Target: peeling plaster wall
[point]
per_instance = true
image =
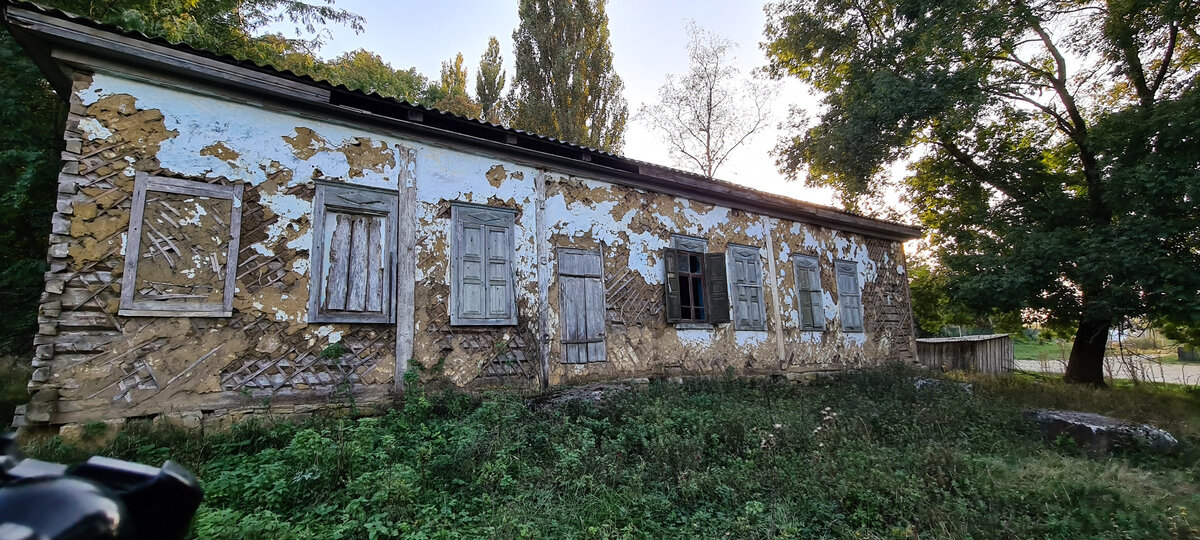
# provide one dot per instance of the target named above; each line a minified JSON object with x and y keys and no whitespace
{"x":93,"y":363}
{"x":887,"y":315}
{"x":632,"y":227}
{"x":481,"y":355}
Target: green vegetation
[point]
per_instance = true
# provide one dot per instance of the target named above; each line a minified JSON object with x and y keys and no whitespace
{"x":1038,"y":194}
{"x":14,"y":375}
{"x":860,"y":455}
{"x":1034,"y":349}
{"x":564,"y":85}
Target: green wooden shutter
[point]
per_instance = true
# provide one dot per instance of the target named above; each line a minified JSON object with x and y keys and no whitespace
{"x":808,"y":292}
{"x":746,"y":280}
{"x":716,"y":285}
{"x":671,"y":262}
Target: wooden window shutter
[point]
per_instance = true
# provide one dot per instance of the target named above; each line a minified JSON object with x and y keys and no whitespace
{"x":354,"y":246}
{"x":482,"y":289}
{"x":808,"y":292}
{"x":849,"y":295}
{"x":671,"y":262}
{"x":748,"y":309}
{"x":754,"y":294}
{"x":716,"y":286}
{"x":581,"y":291}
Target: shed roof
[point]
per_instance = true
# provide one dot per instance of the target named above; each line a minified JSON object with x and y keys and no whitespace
{"x":60,"y":42}
{"x":961,"y":339}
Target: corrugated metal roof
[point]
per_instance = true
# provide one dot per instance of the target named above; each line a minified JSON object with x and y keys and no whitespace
{"x":981,"y":337}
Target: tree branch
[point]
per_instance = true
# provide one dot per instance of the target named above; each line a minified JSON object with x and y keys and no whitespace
{"x":978,"y":171}
{"x":1172,"y":36}
{"x":1063,"y":124}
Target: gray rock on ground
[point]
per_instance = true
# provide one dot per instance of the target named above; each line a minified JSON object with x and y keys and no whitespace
{"x":926,"y":383}
{"x":1098,"y":433}
{"x":595,"y":394}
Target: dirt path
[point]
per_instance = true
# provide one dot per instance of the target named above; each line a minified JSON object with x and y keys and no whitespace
{"x":1145,"y":370}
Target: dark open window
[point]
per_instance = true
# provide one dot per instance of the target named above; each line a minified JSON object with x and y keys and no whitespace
{"x":697,"y":290}
{"x":691,"y":286}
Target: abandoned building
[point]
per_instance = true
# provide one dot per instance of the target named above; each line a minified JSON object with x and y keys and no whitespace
{"x":227,"y":233}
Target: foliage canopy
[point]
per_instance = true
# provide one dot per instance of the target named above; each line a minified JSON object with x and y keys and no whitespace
{"x":489,"y":81}
{"x":1056,"y":165}
{"x":564,"y":85}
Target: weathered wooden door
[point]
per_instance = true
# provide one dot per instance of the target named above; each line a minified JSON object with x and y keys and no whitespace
{"x":581,"y":290}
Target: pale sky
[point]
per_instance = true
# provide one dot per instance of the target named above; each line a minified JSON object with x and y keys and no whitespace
{"x":648,"y":42}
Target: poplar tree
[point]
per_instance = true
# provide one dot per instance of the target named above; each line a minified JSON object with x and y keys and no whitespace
{"x":489,"y":81}
{"x":564,"y":85}
{"x":452,"y":90}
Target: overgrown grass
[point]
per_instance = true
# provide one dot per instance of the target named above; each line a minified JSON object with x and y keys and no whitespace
{"x":862,"y":455}
{"x":1033,"y":349}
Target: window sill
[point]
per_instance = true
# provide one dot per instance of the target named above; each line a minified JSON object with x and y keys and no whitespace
{"x":469,"y":324}
{"x":694,"y":326}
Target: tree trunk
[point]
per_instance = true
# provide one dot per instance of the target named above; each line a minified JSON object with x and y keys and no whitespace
{"x":1086,"y":363}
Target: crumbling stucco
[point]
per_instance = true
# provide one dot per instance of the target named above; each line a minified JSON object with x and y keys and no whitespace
{"x":92,"y":363}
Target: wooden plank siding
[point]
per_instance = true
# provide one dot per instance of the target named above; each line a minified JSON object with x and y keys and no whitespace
{"x":983,"y":354}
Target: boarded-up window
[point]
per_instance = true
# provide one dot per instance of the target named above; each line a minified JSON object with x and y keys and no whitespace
{"x":581,"y":291}
{"x":354,"y":242}
{"x":849,"y":295}
{"x":745,"y":276}
{"x":808,"y":292}
{"x":181,"y":255}
{"x":481,"y":291}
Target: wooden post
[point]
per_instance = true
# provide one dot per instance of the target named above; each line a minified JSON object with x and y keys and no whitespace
{"x":542,"y":239}
{"x":773,"y":282}
{"x":406,"y":264}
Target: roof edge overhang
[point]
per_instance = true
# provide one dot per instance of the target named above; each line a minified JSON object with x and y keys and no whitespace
{"x":59,"y":42}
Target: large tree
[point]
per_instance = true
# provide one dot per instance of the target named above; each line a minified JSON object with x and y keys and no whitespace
{"x":711,"y":110}
{"x":225,"y":26}
{"x":489,"y":81}
{"x":364,"y":70}
{"x":1057,"y":167}
{"x":564,"y":85}
{"x":452,"y":90}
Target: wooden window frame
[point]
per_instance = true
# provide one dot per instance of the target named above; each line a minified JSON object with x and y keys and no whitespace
{"x":733,"y":252}
{"x":143,"y":182}
{"x":713,"y":279}
{"x":687,"y":280}
{"x":387,"y":207}
{"x":508,"y":216}
{"x":849,"y":268}
{"x":816,"y":295}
